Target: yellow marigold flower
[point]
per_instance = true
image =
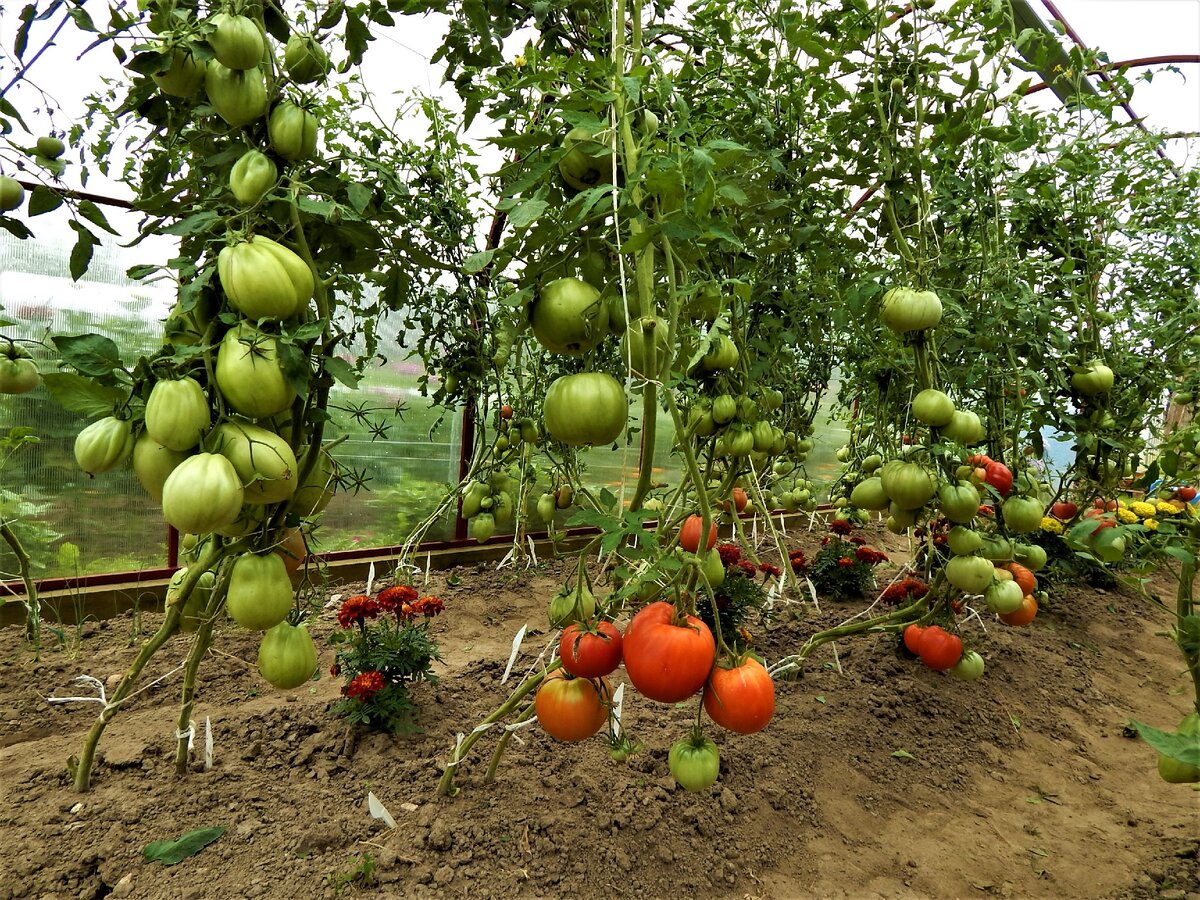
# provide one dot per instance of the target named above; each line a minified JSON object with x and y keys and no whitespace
{"x":1152,"y":524}
{"x":1126,"y":516}
{"x":1165,"y":508}
{"x":1121,"y":504}
{"x":1052,"y":525}
{"x":1144,"y":510}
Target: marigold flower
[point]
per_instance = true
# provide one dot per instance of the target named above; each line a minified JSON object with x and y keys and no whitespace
{"x":394,"y":599}
{"x":870,"y":556}
{"x":769,"y":569}
{"x":797,"y":560}
{"x":1152,"y":524}
{"x":857,"y":539}
{"x":841,"y":526}
{"x":357,"y":609}
{"x":1142,"y":509}
{"x":916,"y":587}
{"x":845,"y":562}
{"x":1127,"y":516}
{"x":1165,"y":508}
{"x":893,"y":593}
{"x":730,"y":553}
{"x":429,"y":606}
{"x":747,"y":567}
{"x":1052,"y":525}
{"x":364,"y":686}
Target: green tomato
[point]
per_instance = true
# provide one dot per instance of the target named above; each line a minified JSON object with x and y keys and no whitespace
{"x":293,"y":131}
{"x":586,"y":162}
{"x":869,"y":494}
{"x":933,"y":407}
{"x":1022,"y":514}
{"x":1092,"y":379}
{"x":263,"y":279}
{"x":969,"y":667}
{"x":12,"y":195}
{"x":202,"y":493}
{"x":959,"y":502}
{"x":260,"y":591}
{"x":18,"y":372}
{"x":588,"y":408}
{"x":694,"y":762}
{"x":238,"y":97}
{"x":252,"y":176}
{"x":316,"y":491}
{"x":264,"y":461}
{"x":568,"y":317}
{"x":904,"y":310}
{"x":153,"y":464}
{"x":483,"y":526}
{"x":236,"y":41}
{"x":724,"y":355}
{"x":249,"y":375}
{"x":104,"y":445}
{"x":304,"y":59}
{"x":287,"y":656}
{"x":50,"y":147}
{"x":911,"y":486}
{"x":633,"y":346}
{"x":964,"y":428}
{"x":963,"y":541}
{"x":970,"y":574}
{"x":183,"y":75}
{"x":177,"y":414}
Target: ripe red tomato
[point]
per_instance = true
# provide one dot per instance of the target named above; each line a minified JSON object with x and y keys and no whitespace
{"x":999,"y":476}
{"x":571,"y":709}
{"x":665,"y":661}
{"x":1186,"y":494}
{"x":506,"y":411}
{"x":940,"y":649}
{"x":1064,"y":510}
{"x":1105,"y":505}
{"x":1023,"y":614}
{"x":689,"y":534}
{"x":590,"y":654}
{"x":741,"y":698}
{"x":740,"y":499}
{"x":979,"y":460}
{"x":913,"y":635}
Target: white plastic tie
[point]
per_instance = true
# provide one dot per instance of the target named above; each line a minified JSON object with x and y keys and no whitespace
{"x":516,"y":648}
{"x":190,"y":734}
{"x":618,"y":709}
{"x":208,"y":743}
{"x":370,"y":578}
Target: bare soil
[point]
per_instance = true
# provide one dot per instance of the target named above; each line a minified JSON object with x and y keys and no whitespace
{"x":877,"y":777}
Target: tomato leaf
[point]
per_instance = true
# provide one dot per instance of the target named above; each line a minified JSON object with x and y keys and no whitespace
{"x":1182,"y":747}
{"x":527,"y":213}
{"x":902,"y":754}
{"x":342,"y":371}
{"x":81,"y":253}
{"x":171,"y":852}
{"x":91,"y":354}
{"x":43,"y":200}
{"x":15,"y":227}
{"x":477,"y":262}
{"x":82,"y":395}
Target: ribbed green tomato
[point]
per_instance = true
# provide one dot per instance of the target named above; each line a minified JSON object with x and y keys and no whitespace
{"x":264,"y":279}
{"x":633,"y":346}
{"x":738,"y":441}
{"x":905,"y":310}
{"x":263,"y":460}
{"x":970,"y":574}
{"x":763,"y":434}
{"x":304,"y":59}
{"x":964,"y":427}
{"x":901,"y":517}
{"x":483,"y":526}
{"x":723,"y":355}
{"x":910,"y":486}
{"x":260,"y":591}
{"x":184,"y":75}
{"x":933,"y":407}
{"x":252,"y":176}
{"x":250,"y":518}
{"x":724,"y":408}
{"x":293,"y":131}
{"x":238,"y":97}
{"x":287,"y":656}
{"x":587,"y":162}
{"x":318,"y":488}
{"x":1023,"y":514}
{"x":104,"y":445}
{"x":996,"y":548}
{"x":12,"y":195}
{"x":249,"y":376}
{"x":18,"y":372}
{"x":959,"y":502}
{"x":1003,"y":596}
{"x":236,"y":41}
{"x":588,"y":408}
{"x":568,"y":317}
{"x":694,"y":763}
{"x":201,"y":494}
{"x":869,"y":494}
{"x":177,"y":413}
{"x":1033,"y":557}
{"x":963,"y":541}
{"x":153,"y":464}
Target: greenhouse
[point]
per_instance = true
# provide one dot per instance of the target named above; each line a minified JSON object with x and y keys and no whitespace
{"x":600,"y":449}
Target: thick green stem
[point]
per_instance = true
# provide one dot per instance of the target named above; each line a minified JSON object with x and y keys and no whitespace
{"x":446,"y":785}
{"x":80,"y":767}
{"x":33,"y":611}
{"x":200,"y":644}
{"x":523,"y":716}
{"x":903,"y":615}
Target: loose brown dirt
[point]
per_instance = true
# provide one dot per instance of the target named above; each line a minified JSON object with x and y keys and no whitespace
{"x":877,"y":777}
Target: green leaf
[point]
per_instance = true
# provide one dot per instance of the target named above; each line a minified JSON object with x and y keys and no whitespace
{"x":477,"y":262}
{"x":91,"y":354}
{"x":902,"y":754}
{"x":43,"y":200}
{"x":92,"y":213}
{"x":194,"y":224}
{"x":527,"y":213}
{"x":82,"y":395}
{"x":171,"y":852}
{"x":81,"y":253}
{"x":15,"y":227}
{"x":1183,"y":747}
{"x":342,"y":371}
{"x":359,"y":196}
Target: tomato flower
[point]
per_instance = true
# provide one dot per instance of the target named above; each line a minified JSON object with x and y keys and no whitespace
{"x":357,"y":609}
